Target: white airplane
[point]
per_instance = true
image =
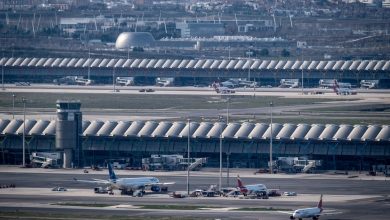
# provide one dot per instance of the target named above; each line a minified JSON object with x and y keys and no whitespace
{"x":314,"y":212}
{"x":341,"y":89}
{"x":248,"y":189}
{"x":222,"y":89}
{"x":125,"y":81}
{"x":128,"y":185}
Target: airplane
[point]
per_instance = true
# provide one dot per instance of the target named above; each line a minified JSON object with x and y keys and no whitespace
{"x":125,"y":81}
{"x":341,"y":90}
{"x":248,"y":189}
{"x":314,"y":212}
{"x":128,"y":186}
{"x":222,"y":89}
{"x":164,"y":82}
{"x":73,"y":80}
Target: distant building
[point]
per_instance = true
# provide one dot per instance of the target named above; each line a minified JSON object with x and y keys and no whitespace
{"x":127,"y":40}
{"x":386,"y":3}
{"x":368,"y":2}
{"x":200,"y":29}
{"x":301,"y":44}
{"x":18,"y":4}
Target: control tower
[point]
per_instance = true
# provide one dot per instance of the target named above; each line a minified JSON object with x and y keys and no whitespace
{"x":68,"y":132}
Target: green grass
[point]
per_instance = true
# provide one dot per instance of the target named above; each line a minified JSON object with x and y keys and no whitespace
{"x":67,"y":215}
{"x":364,"y":107}
{"x":151,"y":101}
{"x":175,"y":207}
{"x":259,"y":209}
{"x":84,"y":204}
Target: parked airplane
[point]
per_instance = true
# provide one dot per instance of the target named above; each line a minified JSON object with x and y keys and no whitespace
{"x":222,"y":89}
{"x":73,"y":80}
{"x":340,"y":90}
{"x":248,"y":189}
{"x":125,"y":81}
{"x":128,"y":185}
{"x":165,"y":81}
{"x":238,"y":82}
{"x":314,"y":212}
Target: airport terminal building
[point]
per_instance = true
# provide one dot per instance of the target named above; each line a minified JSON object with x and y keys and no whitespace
{"x":190,"y":71}
{"x":352,"y":147}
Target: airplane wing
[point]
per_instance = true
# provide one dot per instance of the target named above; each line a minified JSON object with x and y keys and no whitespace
{"x":286,"y":212}
{"x":98,"y":181}
{"x":160,"y":184}
{"x":331,"y":212}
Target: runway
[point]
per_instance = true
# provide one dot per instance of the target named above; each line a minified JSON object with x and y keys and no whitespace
{"x":352,"y":198}
{"x":309,"y":111}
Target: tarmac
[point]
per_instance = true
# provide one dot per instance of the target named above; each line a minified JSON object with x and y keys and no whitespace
{"x":360,"y":197}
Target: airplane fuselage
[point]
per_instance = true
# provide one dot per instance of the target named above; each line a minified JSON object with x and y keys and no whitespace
{"x":134,"y":183}
{"x":307,"y":213}
{"x":256,"y":188}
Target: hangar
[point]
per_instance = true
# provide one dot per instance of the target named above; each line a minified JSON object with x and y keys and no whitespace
{"x":353,"y":147}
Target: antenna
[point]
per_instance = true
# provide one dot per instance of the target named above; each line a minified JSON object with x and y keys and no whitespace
{"x":39,"y":22}
{"x":95,"y":23}
{"x":159,"y":20}
{"x":20,"y":17}
{"x":136,"y":24}
{"x":273,"y":15}
{"x":235,"y":16}
{"x":6,"y":18}
{"x":32,"y":24}
{"x":165,"y":25}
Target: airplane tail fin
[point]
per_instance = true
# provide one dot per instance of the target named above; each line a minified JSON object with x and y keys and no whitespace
{"x":320,"y":203}
{"x":111,"y":172}
{"x":335,"y":86}
{"x":239,"y":182}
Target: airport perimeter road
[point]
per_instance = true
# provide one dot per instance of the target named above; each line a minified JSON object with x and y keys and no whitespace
{"x":350,"y":198}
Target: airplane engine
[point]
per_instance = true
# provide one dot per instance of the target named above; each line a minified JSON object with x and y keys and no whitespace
{"x":155,"y":188}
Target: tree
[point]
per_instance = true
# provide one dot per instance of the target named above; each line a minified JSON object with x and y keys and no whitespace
{"x":264,"y":52}
{"x":285,"y":53}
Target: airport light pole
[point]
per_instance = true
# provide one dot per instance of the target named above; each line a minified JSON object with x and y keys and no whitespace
{"x":249,"y":68}
{"x":254,"y":87}
{"x":302,"y":75}
{"x":227,"y":154}
{"x":113,"y":79}
{"x":188,"y":156}
{"x":13,"y":106}
{"x":228,"y":168}
{"x":270,"y":145}
{"x":220,"y":153}
{"x":227,"y":110}
{"x":89,"y":66}
{"x":24,"y":131}
{"x":2,"y":76}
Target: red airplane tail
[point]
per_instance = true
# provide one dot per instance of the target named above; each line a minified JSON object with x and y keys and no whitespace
{"x":335,"y":86}
{"x":320,"y":203}
{"x":241,"y":186}
{"x":239,"y":182}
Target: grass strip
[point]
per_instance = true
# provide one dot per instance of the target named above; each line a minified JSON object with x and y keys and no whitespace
{"x":259,"y":209}
{"x":175,"y":207}
{"x":84,"y":204}
{"x":146,"y":101}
